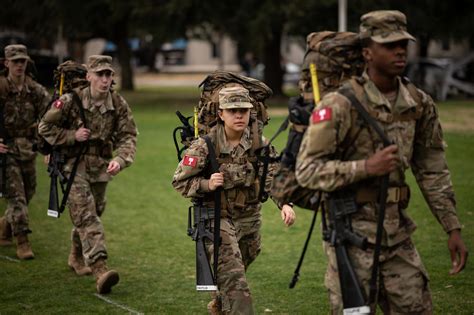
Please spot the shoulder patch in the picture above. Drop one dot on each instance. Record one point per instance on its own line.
(190, 161)
(321, 114)
(58, 104)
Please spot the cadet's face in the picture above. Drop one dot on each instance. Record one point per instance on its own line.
(16, 67)
(100, 81)
(389, 59)
(236, 119)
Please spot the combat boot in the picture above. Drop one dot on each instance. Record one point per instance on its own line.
(23, 247)
(76, 260)
(5, 232)
(105, 279)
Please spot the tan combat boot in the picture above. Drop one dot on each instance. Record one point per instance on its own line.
(105, 279)
(5, 232)
(76, 260)
(23, 247)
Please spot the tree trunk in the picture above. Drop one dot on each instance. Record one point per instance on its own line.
(124, 53)
(273, 73)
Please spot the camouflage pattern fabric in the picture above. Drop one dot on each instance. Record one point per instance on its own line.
(241, 210)
(240, 245)
(74, 76)
(209, 102)
(336, 145)
(21, 186)
(86, 204)
(337, 56)
(403, 281)
(22, 110)
(112, 129)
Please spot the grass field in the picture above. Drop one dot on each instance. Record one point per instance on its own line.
(145, 223)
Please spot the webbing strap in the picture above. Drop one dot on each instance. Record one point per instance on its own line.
(217, 205)
(383, 190)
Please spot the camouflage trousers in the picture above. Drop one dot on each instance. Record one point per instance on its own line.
(86, 204)
(403, 282)
(20, 188)
(240, 245)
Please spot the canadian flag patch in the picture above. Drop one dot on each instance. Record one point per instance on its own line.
(58, 104)
(190, 161)
(322, 114)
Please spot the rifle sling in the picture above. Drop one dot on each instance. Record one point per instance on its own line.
(383, 189)
(217, 205)
(262, 196)
(82, 150)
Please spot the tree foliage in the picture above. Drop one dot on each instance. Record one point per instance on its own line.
(256, 26)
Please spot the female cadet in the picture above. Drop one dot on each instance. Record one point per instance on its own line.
(240, 207)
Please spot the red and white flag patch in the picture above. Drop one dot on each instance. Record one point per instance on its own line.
(322, 114)
(58, 104)
(190, 161)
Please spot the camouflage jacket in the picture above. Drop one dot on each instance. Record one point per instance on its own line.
(112, 129)
(337, 143)
(22, 111)
(238, 164)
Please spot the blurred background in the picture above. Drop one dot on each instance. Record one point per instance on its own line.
(154, 42)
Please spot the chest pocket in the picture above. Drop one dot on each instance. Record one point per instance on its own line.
(20, 113)
(100, 124)
(238, 175)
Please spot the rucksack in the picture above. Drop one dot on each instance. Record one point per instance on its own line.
(67, 76)
(208, 106)
(338, 57)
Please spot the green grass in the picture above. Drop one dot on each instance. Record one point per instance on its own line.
(145, 223)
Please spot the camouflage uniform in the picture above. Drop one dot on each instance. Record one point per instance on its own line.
(112, 128)
(332, 157)
(240, 209)
(22, 110)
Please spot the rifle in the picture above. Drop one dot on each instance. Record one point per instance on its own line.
(55, 164)
(341, 207)
(187, 133)
(200, 232)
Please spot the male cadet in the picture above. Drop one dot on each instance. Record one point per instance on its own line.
(342, 153)
(22, 102)
(100, 121)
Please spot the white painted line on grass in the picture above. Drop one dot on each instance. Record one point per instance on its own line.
(10, 259)
(126, 308)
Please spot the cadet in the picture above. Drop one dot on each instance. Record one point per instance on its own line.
(23, 102)
(108, 125)
(240, 209)
(351, 157)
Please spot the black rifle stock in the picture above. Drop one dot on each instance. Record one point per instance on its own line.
(341, 207)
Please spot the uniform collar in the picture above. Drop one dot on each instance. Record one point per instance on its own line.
(376, 98)
(225, 147)
(87, 102)
(26, 86)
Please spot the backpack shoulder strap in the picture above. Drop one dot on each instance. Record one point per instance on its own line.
(77, 100)
(349, 92)
(212, 154)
